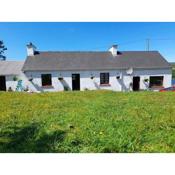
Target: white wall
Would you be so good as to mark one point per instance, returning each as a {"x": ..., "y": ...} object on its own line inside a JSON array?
[
  {"x": 145, "y": 74},
  {"x": 167, "y": 73},
  {"x": 10, "y": 82},
  {"x": 86, "y": 82},
  {"x": 13, "y": 84}
]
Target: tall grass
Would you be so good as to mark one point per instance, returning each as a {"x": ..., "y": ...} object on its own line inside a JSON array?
[{"x": 90, "y": 121}]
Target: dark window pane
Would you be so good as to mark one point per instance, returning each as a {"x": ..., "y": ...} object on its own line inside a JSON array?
[
  {"x": 46, "y": 79},
  {"x": 104, "y": 78},
  {"x": 156, "y": 81}
]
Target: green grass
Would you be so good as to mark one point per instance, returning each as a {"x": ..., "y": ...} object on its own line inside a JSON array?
[{"x": 90, "y": 121}]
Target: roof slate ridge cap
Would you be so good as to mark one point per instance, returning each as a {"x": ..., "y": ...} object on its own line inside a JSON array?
[
  {"x": 74, "y": 52},
  {"x": 12, "y": 61},
  {"x": 96, "y": 51},
  {"x": 139, "y": 51}
]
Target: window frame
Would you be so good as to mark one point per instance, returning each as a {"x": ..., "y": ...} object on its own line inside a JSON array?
[
  {"x": 46, "y": 84},
  {"x": 104, "y": 78},
  {"x": 155, "y": 84}
]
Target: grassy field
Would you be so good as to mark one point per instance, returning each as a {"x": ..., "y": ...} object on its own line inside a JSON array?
[{"x": 90, "y": 121}]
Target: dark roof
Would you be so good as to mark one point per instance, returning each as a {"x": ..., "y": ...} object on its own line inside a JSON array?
[
  {"x": 11, "y": 67},
  {"x": 94, "y": 61}
]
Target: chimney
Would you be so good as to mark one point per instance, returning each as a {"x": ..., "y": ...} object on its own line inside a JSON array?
[
  {"x": 31, "y": 49},
  {"x": 113, "y": 50}
]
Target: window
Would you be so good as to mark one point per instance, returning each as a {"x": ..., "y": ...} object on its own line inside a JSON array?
[
  {"x": 104, "y": 78},
  {"x": 156, "y": 81},
  {"x": 46, "y": 79}
]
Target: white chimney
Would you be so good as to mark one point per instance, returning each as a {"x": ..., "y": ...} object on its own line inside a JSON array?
[
  {"x": 113, "y": 50},
  {"x": 31, "y": 49}
]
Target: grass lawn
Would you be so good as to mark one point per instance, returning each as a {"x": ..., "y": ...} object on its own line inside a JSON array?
[{"x": 90, "y": 121}]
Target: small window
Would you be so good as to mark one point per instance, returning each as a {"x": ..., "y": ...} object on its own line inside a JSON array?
[
  {"x": 104, "y": 78},
  {"x": 156, "y": 81},
  {"x": 46, "y": 79}
]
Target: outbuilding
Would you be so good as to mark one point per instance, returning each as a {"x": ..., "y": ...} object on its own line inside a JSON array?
[{"x": 10, "y": 73}]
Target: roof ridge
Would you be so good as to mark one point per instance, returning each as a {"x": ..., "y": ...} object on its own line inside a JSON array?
[
  {"x": 74, "y": 51},
  {"x": 96, "y": 51},
  {"x": 140, "y": 51},
  {"x": 5, "y": 61}
]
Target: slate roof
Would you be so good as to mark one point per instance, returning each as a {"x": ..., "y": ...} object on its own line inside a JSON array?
[
  {"x": 10, "y": 67},
  {"x": 50, "y": 61}
]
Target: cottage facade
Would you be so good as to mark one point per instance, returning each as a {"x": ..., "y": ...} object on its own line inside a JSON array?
[{"x": 111, "y": 70}]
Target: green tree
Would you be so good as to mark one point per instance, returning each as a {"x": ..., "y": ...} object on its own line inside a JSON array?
[{"x": 2, "y": 49}]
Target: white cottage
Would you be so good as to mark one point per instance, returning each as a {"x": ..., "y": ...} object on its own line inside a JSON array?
[{"x": 112, "y": 70}]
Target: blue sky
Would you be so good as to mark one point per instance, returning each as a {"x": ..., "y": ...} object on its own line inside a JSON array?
[{"x": 87, "y": 36}]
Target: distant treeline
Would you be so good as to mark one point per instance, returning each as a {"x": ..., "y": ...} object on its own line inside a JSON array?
[{"x": 172, "y": 63}]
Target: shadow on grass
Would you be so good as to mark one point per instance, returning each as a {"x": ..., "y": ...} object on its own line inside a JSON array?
[{"x": 28, "y": 139}]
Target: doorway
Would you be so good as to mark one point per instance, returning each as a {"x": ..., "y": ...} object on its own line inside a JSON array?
[
  {"x": 136, "y": 83},
  {"x": 2, "y": 83},
  {"x": 75, "y": 82}
]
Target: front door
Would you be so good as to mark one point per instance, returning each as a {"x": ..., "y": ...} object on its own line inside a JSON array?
[
  {"x": 2, "y": 83},
  {"x": 75, "y": 82},
  {"x": 136, "y": 83}
]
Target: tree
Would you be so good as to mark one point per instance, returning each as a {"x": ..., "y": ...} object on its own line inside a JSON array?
[{"x": 2, "y": 49}]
